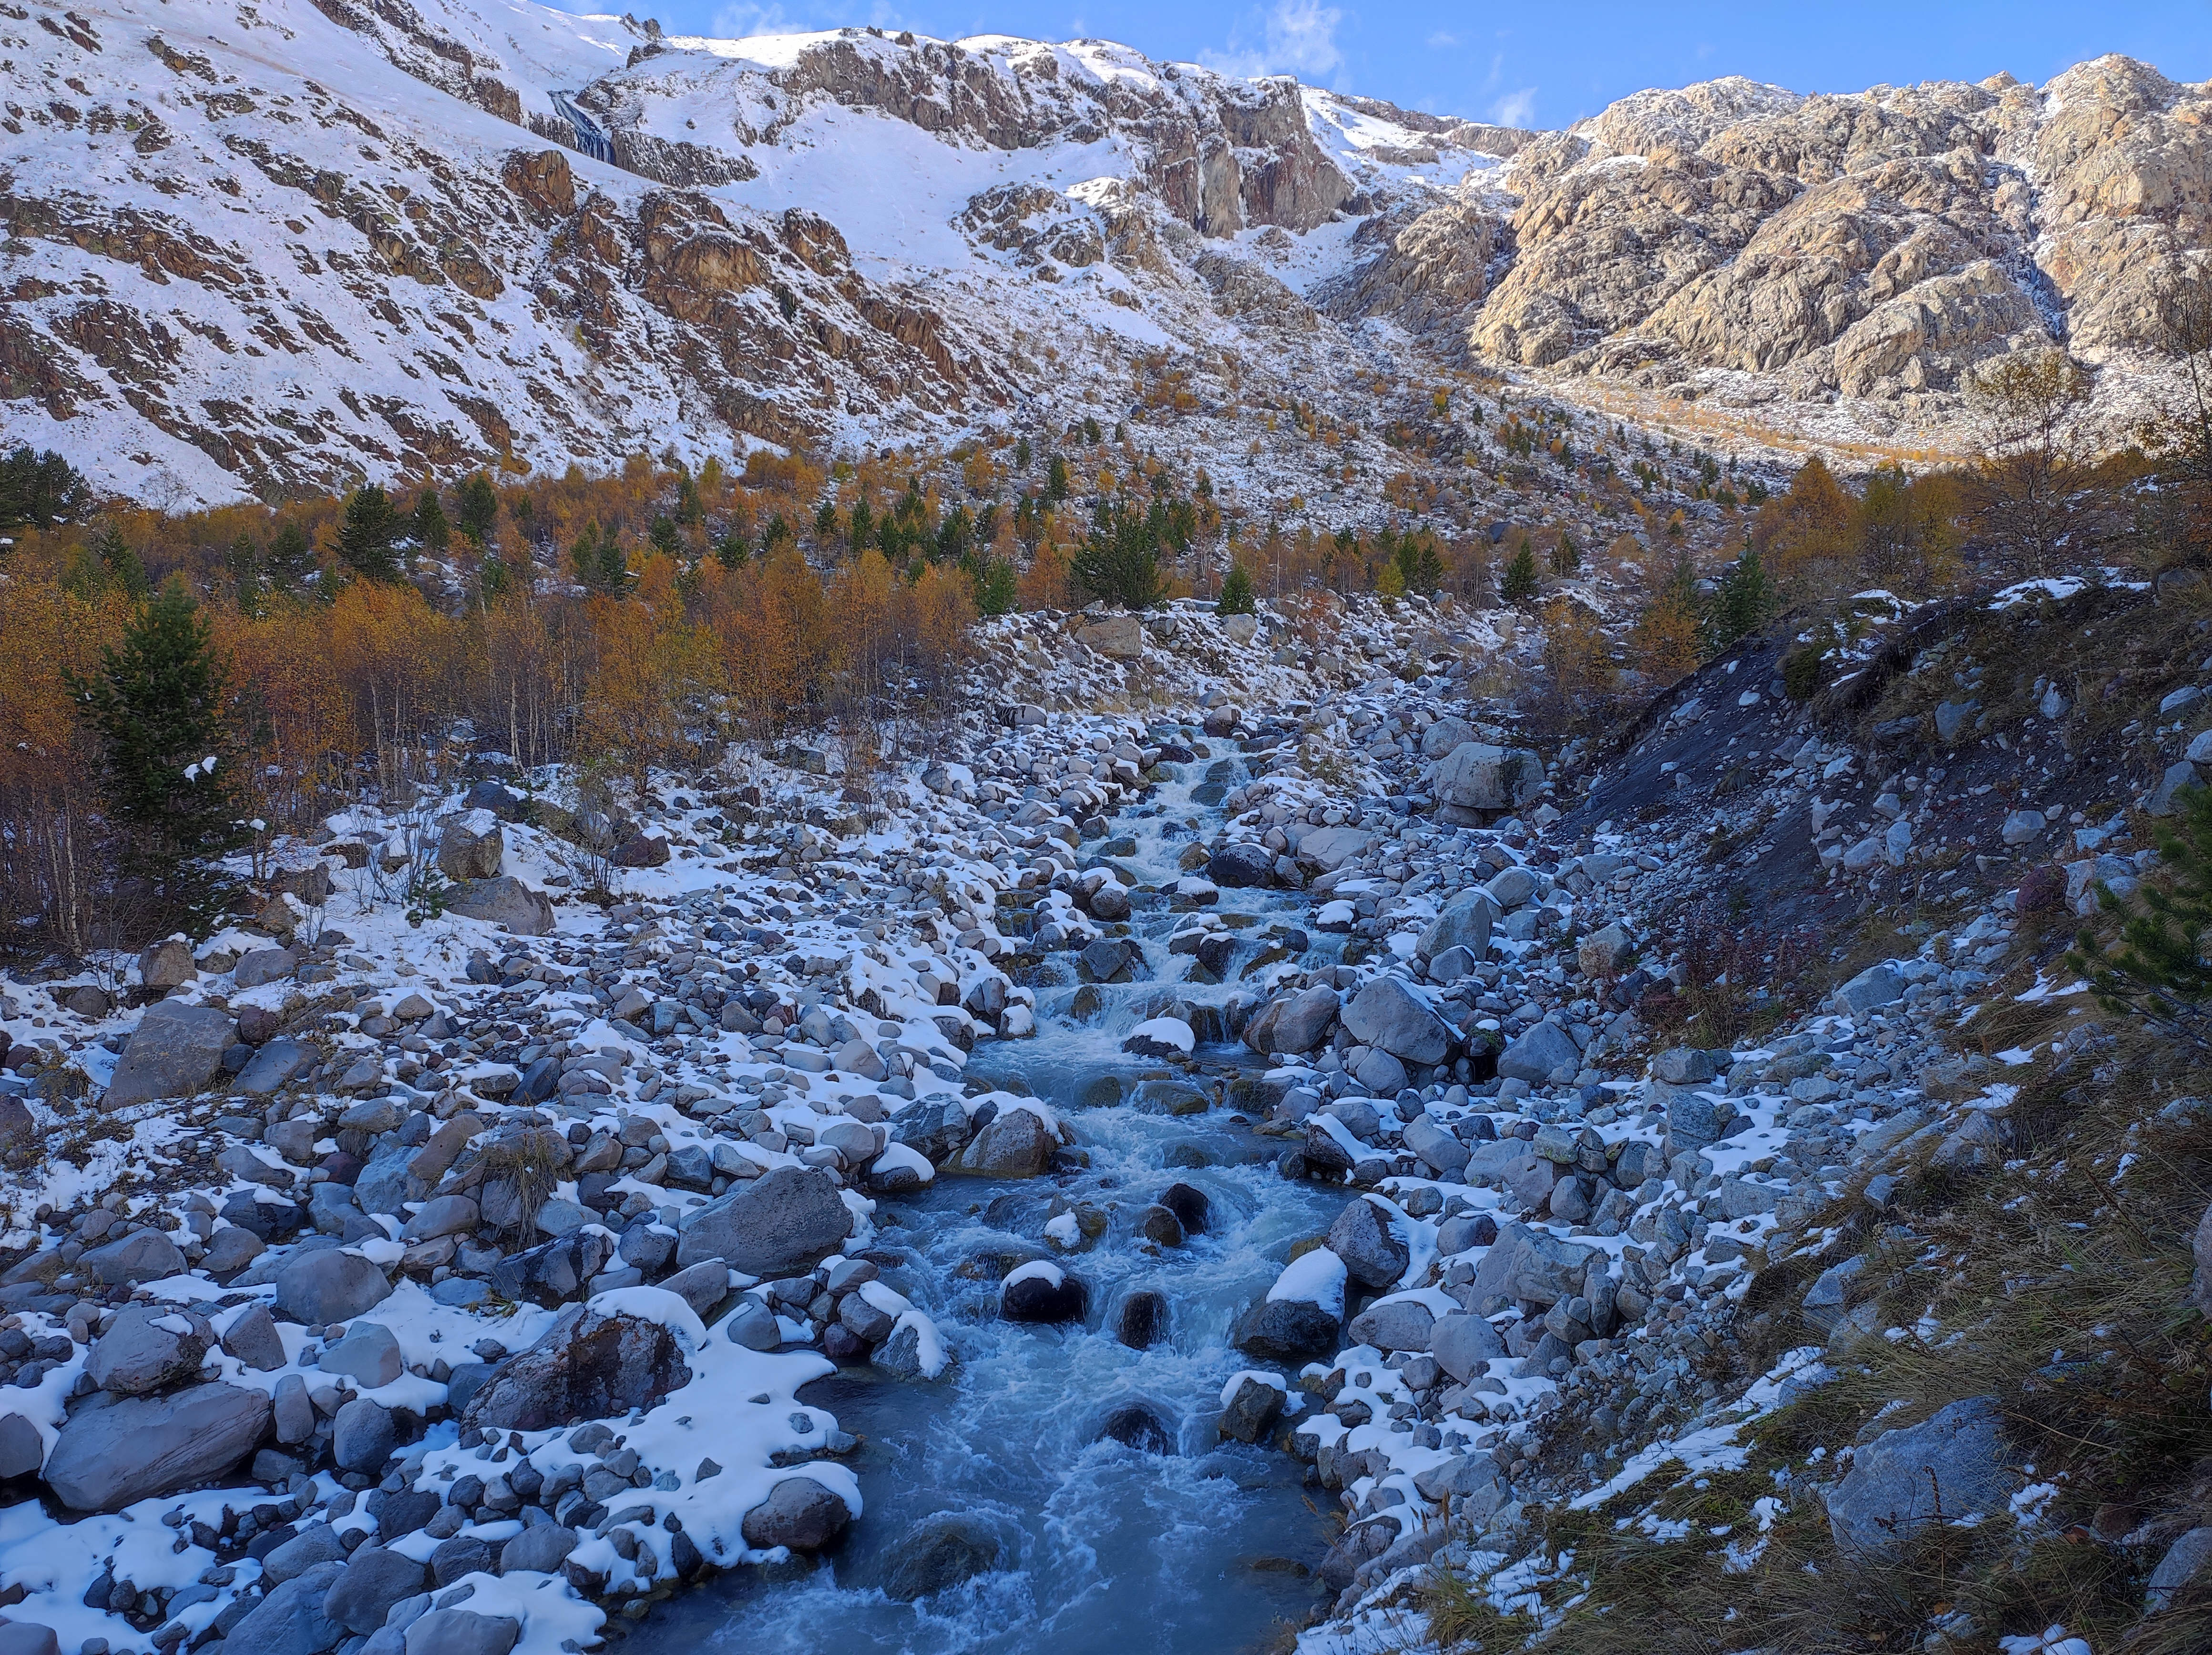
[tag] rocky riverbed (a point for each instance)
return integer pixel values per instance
(1035, 1192)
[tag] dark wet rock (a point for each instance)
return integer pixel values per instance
(1189, 1206)
(1286, 1330)
(1143, 1321)
(798, 1512)
(1252, 1407)
(1041, 1293)
(1138, 1425)
(587, 1364)
(939, 1552)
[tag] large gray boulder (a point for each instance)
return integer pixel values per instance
(1462, 922)
(1394, 1324)
(1238, 866)
(1443, 1152)
(1525, 1264)
(108, 1458)
(1954, 1464)
(1545, 1053)
(369, 1355)
(274, 1065)
(147, 1348)
(1872, 988)
(1305, 1019)
(330, 1286)
(290, 1620)
(505, 901)
(363, 1433)
(141, 1255)
(471, 847)
(462, 1631)
(1477, 776)
(781, 1224)
(798, 1512)
(29, 1638)
(317, 1542)
(1121, 637)
(1461, 1344)
(1388, 1012)
(541, 1548)
(266, 966)
(1446, 736)
(374, 1581)
(1330, 848)
(2186, 1561)
(1016, 1144)
(172, 1054)
(1361, 1237)
(587, 1364)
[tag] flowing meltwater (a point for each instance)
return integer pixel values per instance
(1120, 1521)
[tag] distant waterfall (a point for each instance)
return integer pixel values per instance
(589, 139)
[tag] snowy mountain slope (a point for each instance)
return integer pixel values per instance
(311, 243)
(297, 242)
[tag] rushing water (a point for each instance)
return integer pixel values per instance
(1184, 1544)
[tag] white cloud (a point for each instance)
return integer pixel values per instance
(1442, 41)
(1515, 108)
(1299, 37)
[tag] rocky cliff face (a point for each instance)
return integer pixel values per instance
(1742, 240)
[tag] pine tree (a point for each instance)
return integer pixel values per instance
(493, 578)
(156, 704)
(1091, 434)
(476, 509)
(366, 537)
(600, 563)
(1056, 480)
(431, 530)
(119, 563)
(40, 490)
(1566, 556)
(995, 581)
(291, 559)
(1520, 582)
(861, 529)
(243, 563)
(662, 535)
(1022, 452)
(1742, 600)
(1119, 560)
(1238, 594)
(825, 522)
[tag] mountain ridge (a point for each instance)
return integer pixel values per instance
(522, 236)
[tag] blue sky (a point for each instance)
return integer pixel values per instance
(1536, 63)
